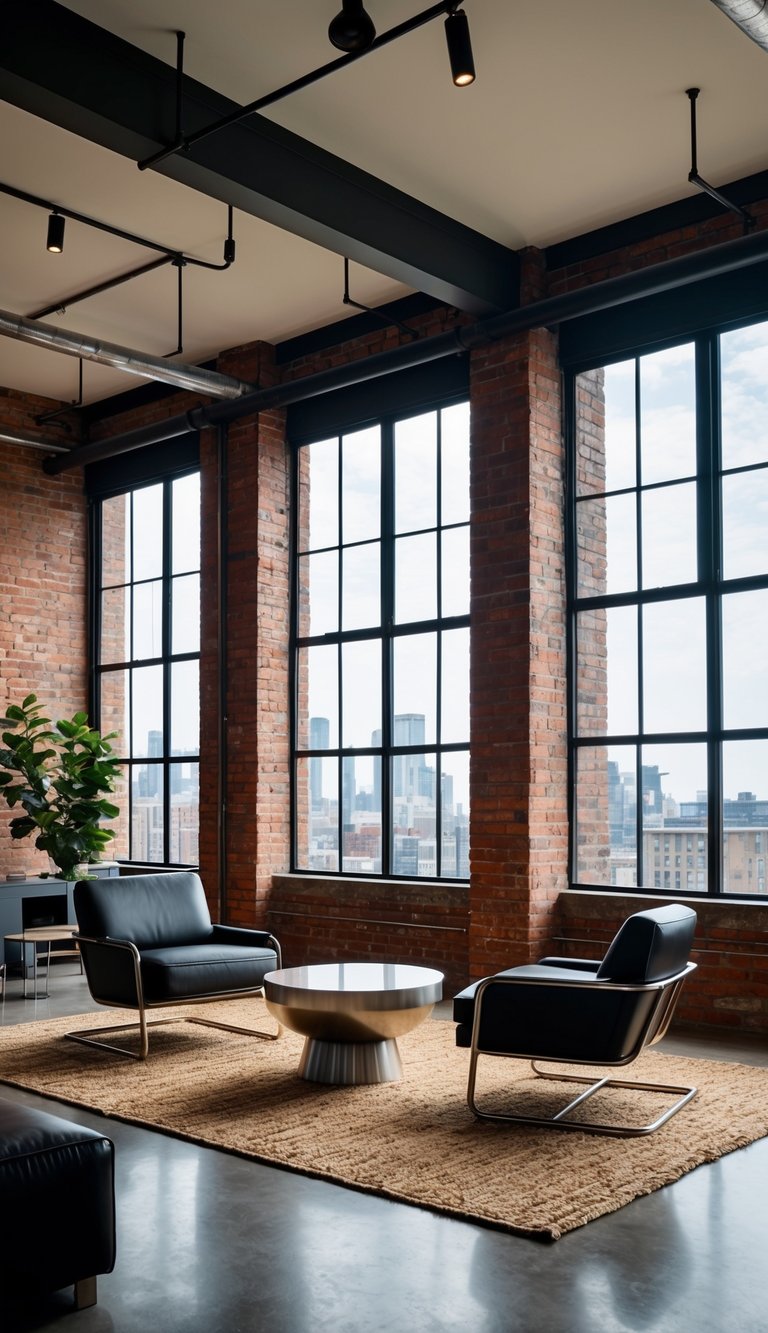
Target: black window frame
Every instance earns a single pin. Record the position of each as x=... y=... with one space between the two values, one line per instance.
x=166 y=659
x=709 y=583
x=387 y=632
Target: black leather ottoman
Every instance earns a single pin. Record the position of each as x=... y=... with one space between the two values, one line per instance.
x=57 y=1220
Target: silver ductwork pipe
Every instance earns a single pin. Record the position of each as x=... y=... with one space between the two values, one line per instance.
x=32 y=442
x=749 y=15
x=194 y=378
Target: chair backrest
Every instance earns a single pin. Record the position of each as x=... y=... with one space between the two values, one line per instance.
x=152 y=911
x=650 y=946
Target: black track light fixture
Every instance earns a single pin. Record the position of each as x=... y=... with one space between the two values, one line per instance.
x=352 y=29
x=459 y=48
x=55 y=241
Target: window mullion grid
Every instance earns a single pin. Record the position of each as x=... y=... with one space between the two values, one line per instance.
x=387 y=640
x=710 y=572
x=167 y=645
x=339 y=652
x=639 y=844
x=439 y=662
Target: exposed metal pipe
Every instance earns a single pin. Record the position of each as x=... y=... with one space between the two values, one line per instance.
x=553 y=310
x=749 y=15
x=194 y=378
x=33 y=442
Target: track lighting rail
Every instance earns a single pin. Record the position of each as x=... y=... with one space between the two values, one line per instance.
x=184 y=142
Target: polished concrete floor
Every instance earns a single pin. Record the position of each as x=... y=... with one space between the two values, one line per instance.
x=209 y=1243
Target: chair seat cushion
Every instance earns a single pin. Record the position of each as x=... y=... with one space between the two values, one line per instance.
x=192 y=970
x=464 y=1002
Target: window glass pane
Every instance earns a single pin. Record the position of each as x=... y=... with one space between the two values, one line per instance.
x=148 y=620
x=744 y=372
x=317 y=822
x=147 y=825
x=184 y=783
x=745 y=524
x=674 y=803
x=745 y=816
x=148 y=532
x=674 y=656
x=361 y=815
x=116 y=540
x=606 y=646
x=361 y=693
x=318 y=593
x=185 y=501
x=147 y=701
x=669 y=536
x=415 y=578
x=113 y=711
x=606 y=545
x=606 y=816
x=454 y=795
x=185 y=614
x=318 y=694
x=414 y=815
x=415 y=669
x=185 y=707
x=361 y=485
x=115 y=626
x=416 y=473
x=454 y=719
x=745 y=659
x=319 y=495
x=455 y=572
x=454 y=462
x=360 y=593
x=668 y=414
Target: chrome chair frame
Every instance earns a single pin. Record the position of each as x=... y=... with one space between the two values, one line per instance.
x=653 y=1030
x=142 y=1005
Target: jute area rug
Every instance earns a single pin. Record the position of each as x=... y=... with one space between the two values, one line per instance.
x=414 y=1141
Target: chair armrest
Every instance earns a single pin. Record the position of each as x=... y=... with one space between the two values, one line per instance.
x=113 y=969
x=573 y=964
x=242 y=935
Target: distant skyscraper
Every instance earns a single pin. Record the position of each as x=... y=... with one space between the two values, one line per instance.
x=319 y=736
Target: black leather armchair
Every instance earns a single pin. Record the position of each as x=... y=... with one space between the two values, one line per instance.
x=579 y=1011
x=147 y=941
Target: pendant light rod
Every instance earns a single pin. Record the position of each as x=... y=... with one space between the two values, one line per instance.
x=184 y=142
x=697 y=180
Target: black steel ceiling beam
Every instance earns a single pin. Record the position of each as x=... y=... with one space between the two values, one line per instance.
x=61 y=67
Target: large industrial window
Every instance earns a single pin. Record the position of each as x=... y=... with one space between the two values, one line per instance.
x=669 y=617
x=381 y=661
x=147 y=634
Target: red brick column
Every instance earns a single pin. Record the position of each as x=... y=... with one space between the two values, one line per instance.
x=43 y=647
x=518 y=833
x=256 y=798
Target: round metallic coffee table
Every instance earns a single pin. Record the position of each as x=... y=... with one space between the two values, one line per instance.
x=351 y=1015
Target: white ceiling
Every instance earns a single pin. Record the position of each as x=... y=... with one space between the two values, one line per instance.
x=578 y=118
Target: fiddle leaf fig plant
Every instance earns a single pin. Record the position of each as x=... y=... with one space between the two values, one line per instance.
x=58 y=776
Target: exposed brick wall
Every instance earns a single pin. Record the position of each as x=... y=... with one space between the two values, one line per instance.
x=43 y=537
x=321 y=920
x=730 y=987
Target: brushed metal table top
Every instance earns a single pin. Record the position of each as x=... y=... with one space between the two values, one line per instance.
x=350 y=986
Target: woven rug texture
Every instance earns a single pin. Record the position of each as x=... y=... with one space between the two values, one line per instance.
x=414 y=1141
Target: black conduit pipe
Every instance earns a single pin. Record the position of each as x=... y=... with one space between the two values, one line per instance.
x=553 y=310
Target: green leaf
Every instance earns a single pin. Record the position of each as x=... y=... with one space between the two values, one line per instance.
x=30 y=699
